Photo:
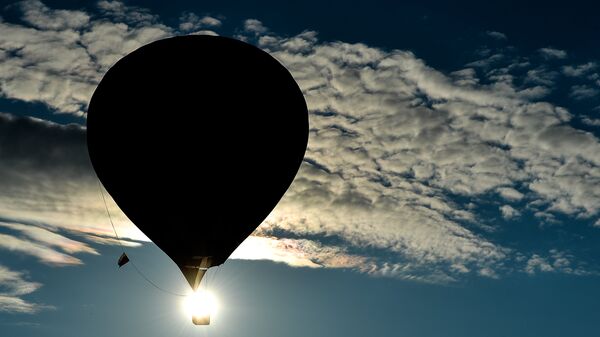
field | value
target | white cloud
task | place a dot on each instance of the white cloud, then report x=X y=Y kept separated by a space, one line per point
x=107 y=42
x=209 y=21
x=112 y=6
x=496 y=35
x=487 y=272
x=487 y=62
x=106 y=240
x=46 y=178
x=49 y=238
x=205 y=32
x=191 y=22
x=466 y=76
x=54 y=53
x=68 y=63
x=509 y=193
x=537 y=263
x=541 y=76
x=254 y=26
x=580 y=92
x=591 y=121
x=40 y=16
x=553 y=53
x=297 y=253
x=13 y=285
x=373 y=127
x=119 y=11
x=556 y=261
x=42 y=252
x=264 y=248
x=299 y=43
x=508 y=212
x=576 y=71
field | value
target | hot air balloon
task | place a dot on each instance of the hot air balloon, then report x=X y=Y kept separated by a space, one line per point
x=197 y=138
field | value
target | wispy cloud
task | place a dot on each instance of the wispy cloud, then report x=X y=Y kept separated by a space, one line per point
x=579 y=70
x=496 y=35
x=41 y=252
x=541 y=76
x=40 y=16
x=49 y=238
x=553 y=53
x=264 y=248
x=70 y=51
x=508 y=212
x=13 y=286
x=556 y=261
x=580 y=92
x=191 y=22
x=46 y=178
x=107 y=240
x=119 y=11
x=591 y=121
x=509 y=193
x=254 y=26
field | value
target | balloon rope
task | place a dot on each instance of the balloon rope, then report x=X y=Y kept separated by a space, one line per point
x=123 y=249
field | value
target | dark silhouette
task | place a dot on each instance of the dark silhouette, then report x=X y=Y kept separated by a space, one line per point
x=197 y=138
x=123 y=260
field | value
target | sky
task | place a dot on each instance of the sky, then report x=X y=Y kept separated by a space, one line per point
x=451 y=184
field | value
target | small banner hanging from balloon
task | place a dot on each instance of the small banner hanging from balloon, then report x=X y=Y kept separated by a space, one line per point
x=123 y=259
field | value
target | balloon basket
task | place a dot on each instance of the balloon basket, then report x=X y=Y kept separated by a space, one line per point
x=201 y=320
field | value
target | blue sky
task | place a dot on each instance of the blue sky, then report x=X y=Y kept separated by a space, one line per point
x=450 y=186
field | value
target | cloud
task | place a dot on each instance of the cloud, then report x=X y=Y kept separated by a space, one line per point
x=43 y=253
x=70 y=52
x=63 y=80
x=118 y=11
x=393 y=138
x=297 y=253
x=556 y=261
x=398 y=154
x=205 y=32
x=107 y=42
x=254 y=26
x=46 y=178
x=49 y=196
x=263 y=248
x=537 y=263
x=510 y=194
x=106 y=240
x=12 y=286
x=487 y=272
x=541 y=76
x=552 y=53
x=466 y=77
x=508 y=212
x=190 y=22
x=580 y=92
x=487 y=62
x=299 y=43
x=39 y=16
x=496 y=35
x=577 y=71
x=50 y=238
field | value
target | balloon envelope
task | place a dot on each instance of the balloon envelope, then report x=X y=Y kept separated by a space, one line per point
x=197 y=138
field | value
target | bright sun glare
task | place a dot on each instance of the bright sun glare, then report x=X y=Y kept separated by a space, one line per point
x=200 y=303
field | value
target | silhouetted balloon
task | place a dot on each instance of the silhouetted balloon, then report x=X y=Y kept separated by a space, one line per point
x=197 y=138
